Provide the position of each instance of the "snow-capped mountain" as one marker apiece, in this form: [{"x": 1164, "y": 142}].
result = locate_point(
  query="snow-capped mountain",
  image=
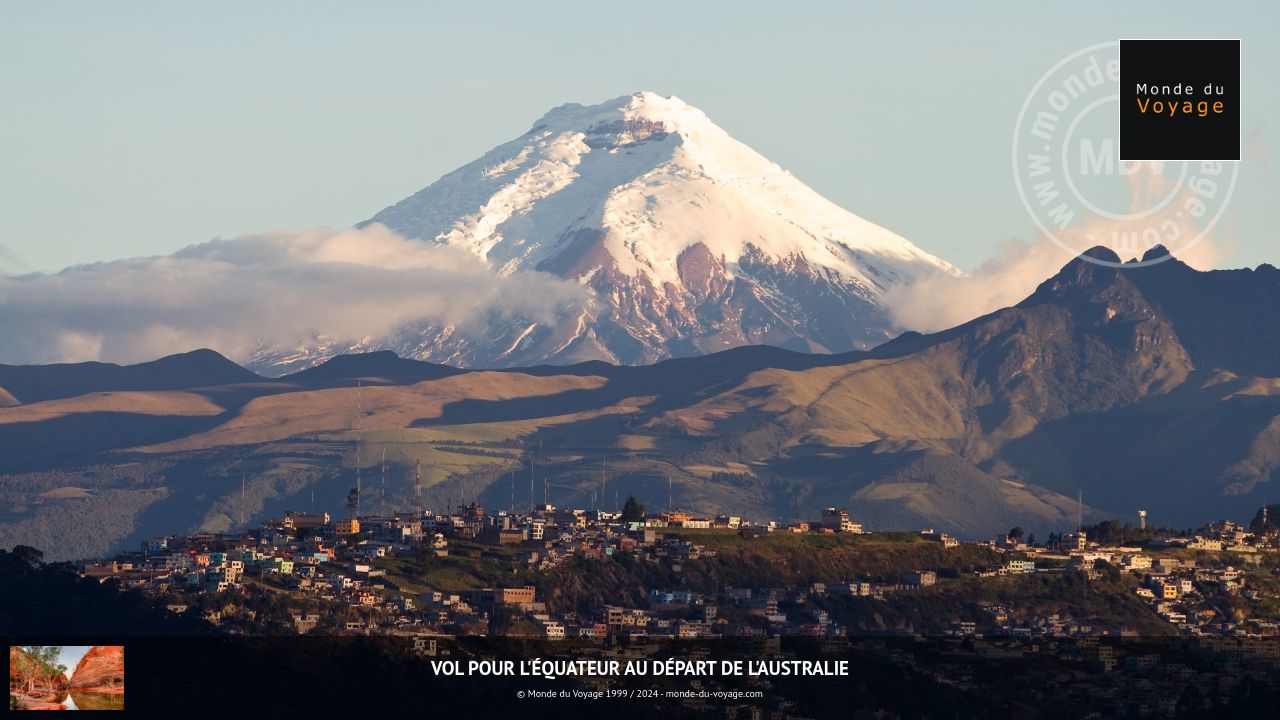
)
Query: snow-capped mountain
[{"x": 688, "y": 241}]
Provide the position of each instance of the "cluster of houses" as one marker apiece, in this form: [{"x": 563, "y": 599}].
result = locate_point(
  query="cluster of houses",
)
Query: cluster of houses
[
  {"x": 337, "y": 560},
  {"x": 340, "y": 561},
  {"x": 1176, "y": 588}
]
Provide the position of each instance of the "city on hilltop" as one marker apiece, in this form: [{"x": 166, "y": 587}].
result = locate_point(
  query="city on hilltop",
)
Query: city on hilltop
[{"x": 557, "y": 573}]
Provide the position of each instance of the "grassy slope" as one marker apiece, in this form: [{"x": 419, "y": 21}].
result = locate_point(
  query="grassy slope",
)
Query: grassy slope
[
  {"x": 277, "y": 417},
  {"x": 930, "y": 438},
  {"x": 135, "y": 403}
]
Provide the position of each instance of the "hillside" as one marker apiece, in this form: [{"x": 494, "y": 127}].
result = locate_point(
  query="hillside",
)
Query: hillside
[{"x": 1105, "y": 382}]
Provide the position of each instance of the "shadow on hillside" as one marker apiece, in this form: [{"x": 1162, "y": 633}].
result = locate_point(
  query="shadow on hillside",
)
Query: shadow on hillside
[
  {"x": 676, "y": 383},
  {"x": 1159, "y": 455},
  {"x": 73, "y": 439}
]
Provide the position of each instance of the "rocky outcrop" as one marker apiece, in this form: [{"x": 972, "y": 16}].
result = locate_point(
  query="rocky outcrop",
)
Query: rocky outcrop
[{"x": 100, "y": 670}]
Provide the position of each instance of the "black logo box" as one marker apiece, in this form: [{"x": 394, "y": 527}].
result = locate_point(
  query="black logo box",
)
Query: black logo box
[{"x": 1182, "y": 65}]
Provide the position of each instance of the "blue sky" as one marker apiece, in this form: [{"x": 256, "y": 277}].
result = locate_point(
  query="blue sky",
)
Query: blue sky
[
  {"x": 137, "y": 128},
  {"x": 71, "y": 656}
]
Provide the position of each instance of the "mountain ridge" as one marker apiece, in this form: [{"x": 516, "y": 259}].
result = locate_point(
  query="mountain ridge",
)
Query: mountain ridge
[
  {"x": 196, "y": 368},
  {"x": 1104, "y": 382}
]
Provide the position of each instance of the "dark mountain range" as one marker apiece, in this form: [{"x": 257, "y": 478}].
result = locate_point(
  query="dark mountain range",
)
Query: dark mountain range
[
  {"x": 380, "y": 367},
  {"x": 199, "y": 368},
  {"x": 1155, "y": 388}
]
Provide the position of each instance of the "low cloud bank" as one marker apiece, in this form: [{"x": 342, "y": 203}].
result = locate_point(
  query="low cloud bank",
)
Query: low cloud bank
[
  {"x": 276, "y": 290},
  {"x": 944, "y": 301}
]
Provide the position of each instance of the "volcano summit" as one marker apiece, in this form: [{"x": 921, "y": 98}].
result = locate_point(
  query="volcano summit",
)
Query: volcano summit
[{"x": 686, "y": 242}]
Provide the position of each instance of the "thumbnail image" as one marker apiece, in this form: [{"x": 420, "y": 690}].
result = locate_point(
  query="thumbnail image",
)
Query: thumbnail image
[{"x": 66, "y": 677}]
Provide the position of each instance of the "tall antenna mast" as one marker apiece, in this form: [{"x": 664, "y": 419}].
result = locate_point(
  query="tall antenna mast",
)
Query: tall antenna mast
[
  {"x": 668, "y": 492},
  {"x": 242, "y": 498},
  {"x": 359, "y": 412},
  {"x": 604, "y": 478},
  {"x": 1079, "y": 509},
  {"x": 382, "y": 500},
  {"x": 530, "y": 483},
  {"x": 417, "y": 489},
  {"x": 512, "y": 477}
]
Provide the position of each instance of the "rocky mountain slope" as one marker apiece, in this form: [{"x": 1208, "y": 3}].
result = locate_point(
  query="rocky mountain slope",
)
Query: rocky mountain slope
[{"x": 100, "y": 670}]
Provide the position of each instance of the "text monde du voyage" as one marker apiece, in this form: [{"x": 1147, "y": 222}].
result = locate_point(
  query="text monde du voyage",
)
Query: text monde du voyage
[
  {"x": 1180, "y": 99},
  {"x": 673, "y": 667}
]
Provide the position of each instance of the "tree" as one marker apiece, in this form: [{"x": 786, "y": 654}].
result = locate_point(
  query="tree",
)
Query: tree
[
  {"x": 1031, "y": 539},
  {"x": 28, "y": 555},
  {"x": 632, "y": 511},
  {"x": 38, "y": 664}
]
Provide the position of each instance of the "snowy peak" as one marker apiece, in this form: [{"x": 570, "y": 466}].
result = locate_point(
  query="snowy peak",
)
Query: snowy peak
[
  {"x": 686, "y": 240},
  {"x": 629, "y": 119},
  {"x": 656, "y": 176}
]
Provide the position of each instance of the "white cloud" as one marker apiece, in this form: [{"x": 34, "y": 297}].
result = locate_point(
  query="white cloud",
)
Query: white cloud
[
  {"x": 277, "y": 289},
  {"x": 944, "y": 301}
]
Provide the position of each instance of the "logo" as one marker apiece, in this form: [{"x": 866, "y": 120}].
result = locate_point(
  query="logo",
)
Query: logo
[
  {"x": 1080, "y": 194},
  {"x": 1180, "y": 99}
]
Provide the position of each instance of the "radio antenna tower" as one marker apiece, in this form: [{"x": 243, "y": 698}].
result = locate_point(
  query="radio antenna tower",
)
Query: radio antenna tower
[
  {"x": 359, "y": 412},
  {"x": 382, "y": 500},
  {"x": 1079, "y": 510},
  {"x": 242, "y": 474},
  {"x": 417, "y": 489}
]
